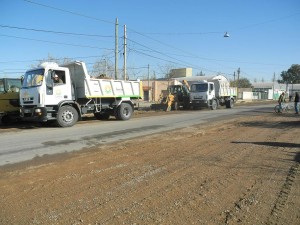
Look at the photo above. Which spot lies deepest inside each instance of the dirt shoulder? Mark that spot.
(243, 171)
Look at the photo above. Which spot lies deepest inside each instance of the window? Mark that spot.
(199, 87)
(33, 78)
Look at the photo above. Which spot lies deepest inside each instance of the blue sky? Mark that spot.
(164, 34)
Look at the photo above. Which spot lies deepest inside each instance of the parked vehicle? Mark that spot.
(212, 92)
(9, 99)
(74, 95)
(179, 96)
(174, 98)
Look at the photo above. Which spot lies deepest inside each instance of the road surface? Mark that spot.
(30, 142)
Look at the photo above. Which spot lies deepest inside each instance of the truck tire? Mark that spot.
(124, 111)
(6, 120)
(229, 104)
(67, 116)
(214, 105)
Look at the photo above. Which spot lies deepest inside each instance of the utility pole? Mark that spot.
(238, 81)
(234, 76)
(148, 83)
(125, 53)
(116, 48)
(273, 97)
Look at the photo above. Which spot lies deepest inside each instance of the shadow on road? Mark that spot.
(271, 124)
(274, 144)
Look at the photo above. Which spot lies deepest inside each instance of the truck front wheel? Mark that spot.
(214, 105)
(67, 116)
(124, 111)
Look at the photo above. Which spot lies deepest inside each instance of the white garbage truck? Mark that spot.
(65, 93)
(212, 92)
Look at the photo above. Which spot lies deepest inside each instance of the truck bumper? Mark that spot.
(36, 114)
(200, 103)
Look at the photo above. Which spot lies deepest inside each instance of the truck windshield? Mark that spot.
(2, 86)
(199, 87)
(10, 85)
(33, 78)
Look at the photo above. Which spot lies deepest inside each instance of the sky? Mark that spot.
(264, 35)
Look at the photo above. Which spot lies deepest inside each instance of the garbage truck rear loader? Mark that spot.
(63, 94)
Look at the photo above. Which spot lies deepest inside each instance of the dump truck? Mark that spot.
(63, 94)
(9, 99)
(212, 92)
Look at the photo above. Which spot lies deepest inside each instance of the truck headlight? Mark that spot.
(38, 112)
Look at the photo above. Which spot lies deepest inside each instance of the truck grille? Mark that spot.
(27, 100)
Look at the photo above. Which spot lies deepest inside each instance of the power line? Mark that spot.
(55, 32)
(268, 21)
(53, 42)
(184, 33)
(70, 12)
(160, 42)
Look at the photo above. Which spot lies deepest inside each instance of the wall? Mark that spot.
(183, 72)
(247, 95)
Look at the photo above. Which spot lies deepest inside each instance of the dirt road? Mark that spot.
(243, 171)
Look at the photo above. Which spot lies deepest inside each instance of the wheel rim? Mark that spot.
(214, 105)
(67, 116)
(125, 111)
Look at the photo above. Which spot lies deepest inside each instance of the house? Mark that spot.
(272, 90)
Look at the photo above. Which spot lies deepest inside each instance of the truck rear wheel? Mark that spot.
(67, 116)
(124, 111)
(229, 104)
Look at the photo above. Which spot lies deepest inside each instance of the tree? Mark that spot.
(200, 74)
(103, 68)
(166, 70)
(243, 83)
(294, 72)
(51, 58)
(292, 75)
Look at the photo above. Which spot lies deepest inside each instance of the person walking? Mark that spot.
(281, 99)
(296, 102)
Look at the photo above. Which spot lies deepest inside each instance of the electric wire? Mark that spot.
(55, 32)
(53, 42)
(70, 12)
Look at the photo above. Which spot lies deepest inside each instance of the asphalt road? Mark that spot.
(25, 144)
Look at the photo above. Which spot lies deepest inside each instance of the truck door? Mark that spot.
(58, 87)
(211, 91)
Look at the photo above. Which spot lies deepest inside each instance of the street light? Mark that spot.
(226, 35)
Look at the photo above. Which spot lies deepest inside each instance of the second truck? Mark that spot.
(212, 92)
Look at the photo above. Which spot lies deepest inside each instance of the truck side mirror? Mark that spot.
(49, 82)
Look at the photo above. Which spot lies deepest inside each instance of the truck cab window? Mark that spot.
(59, 77)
